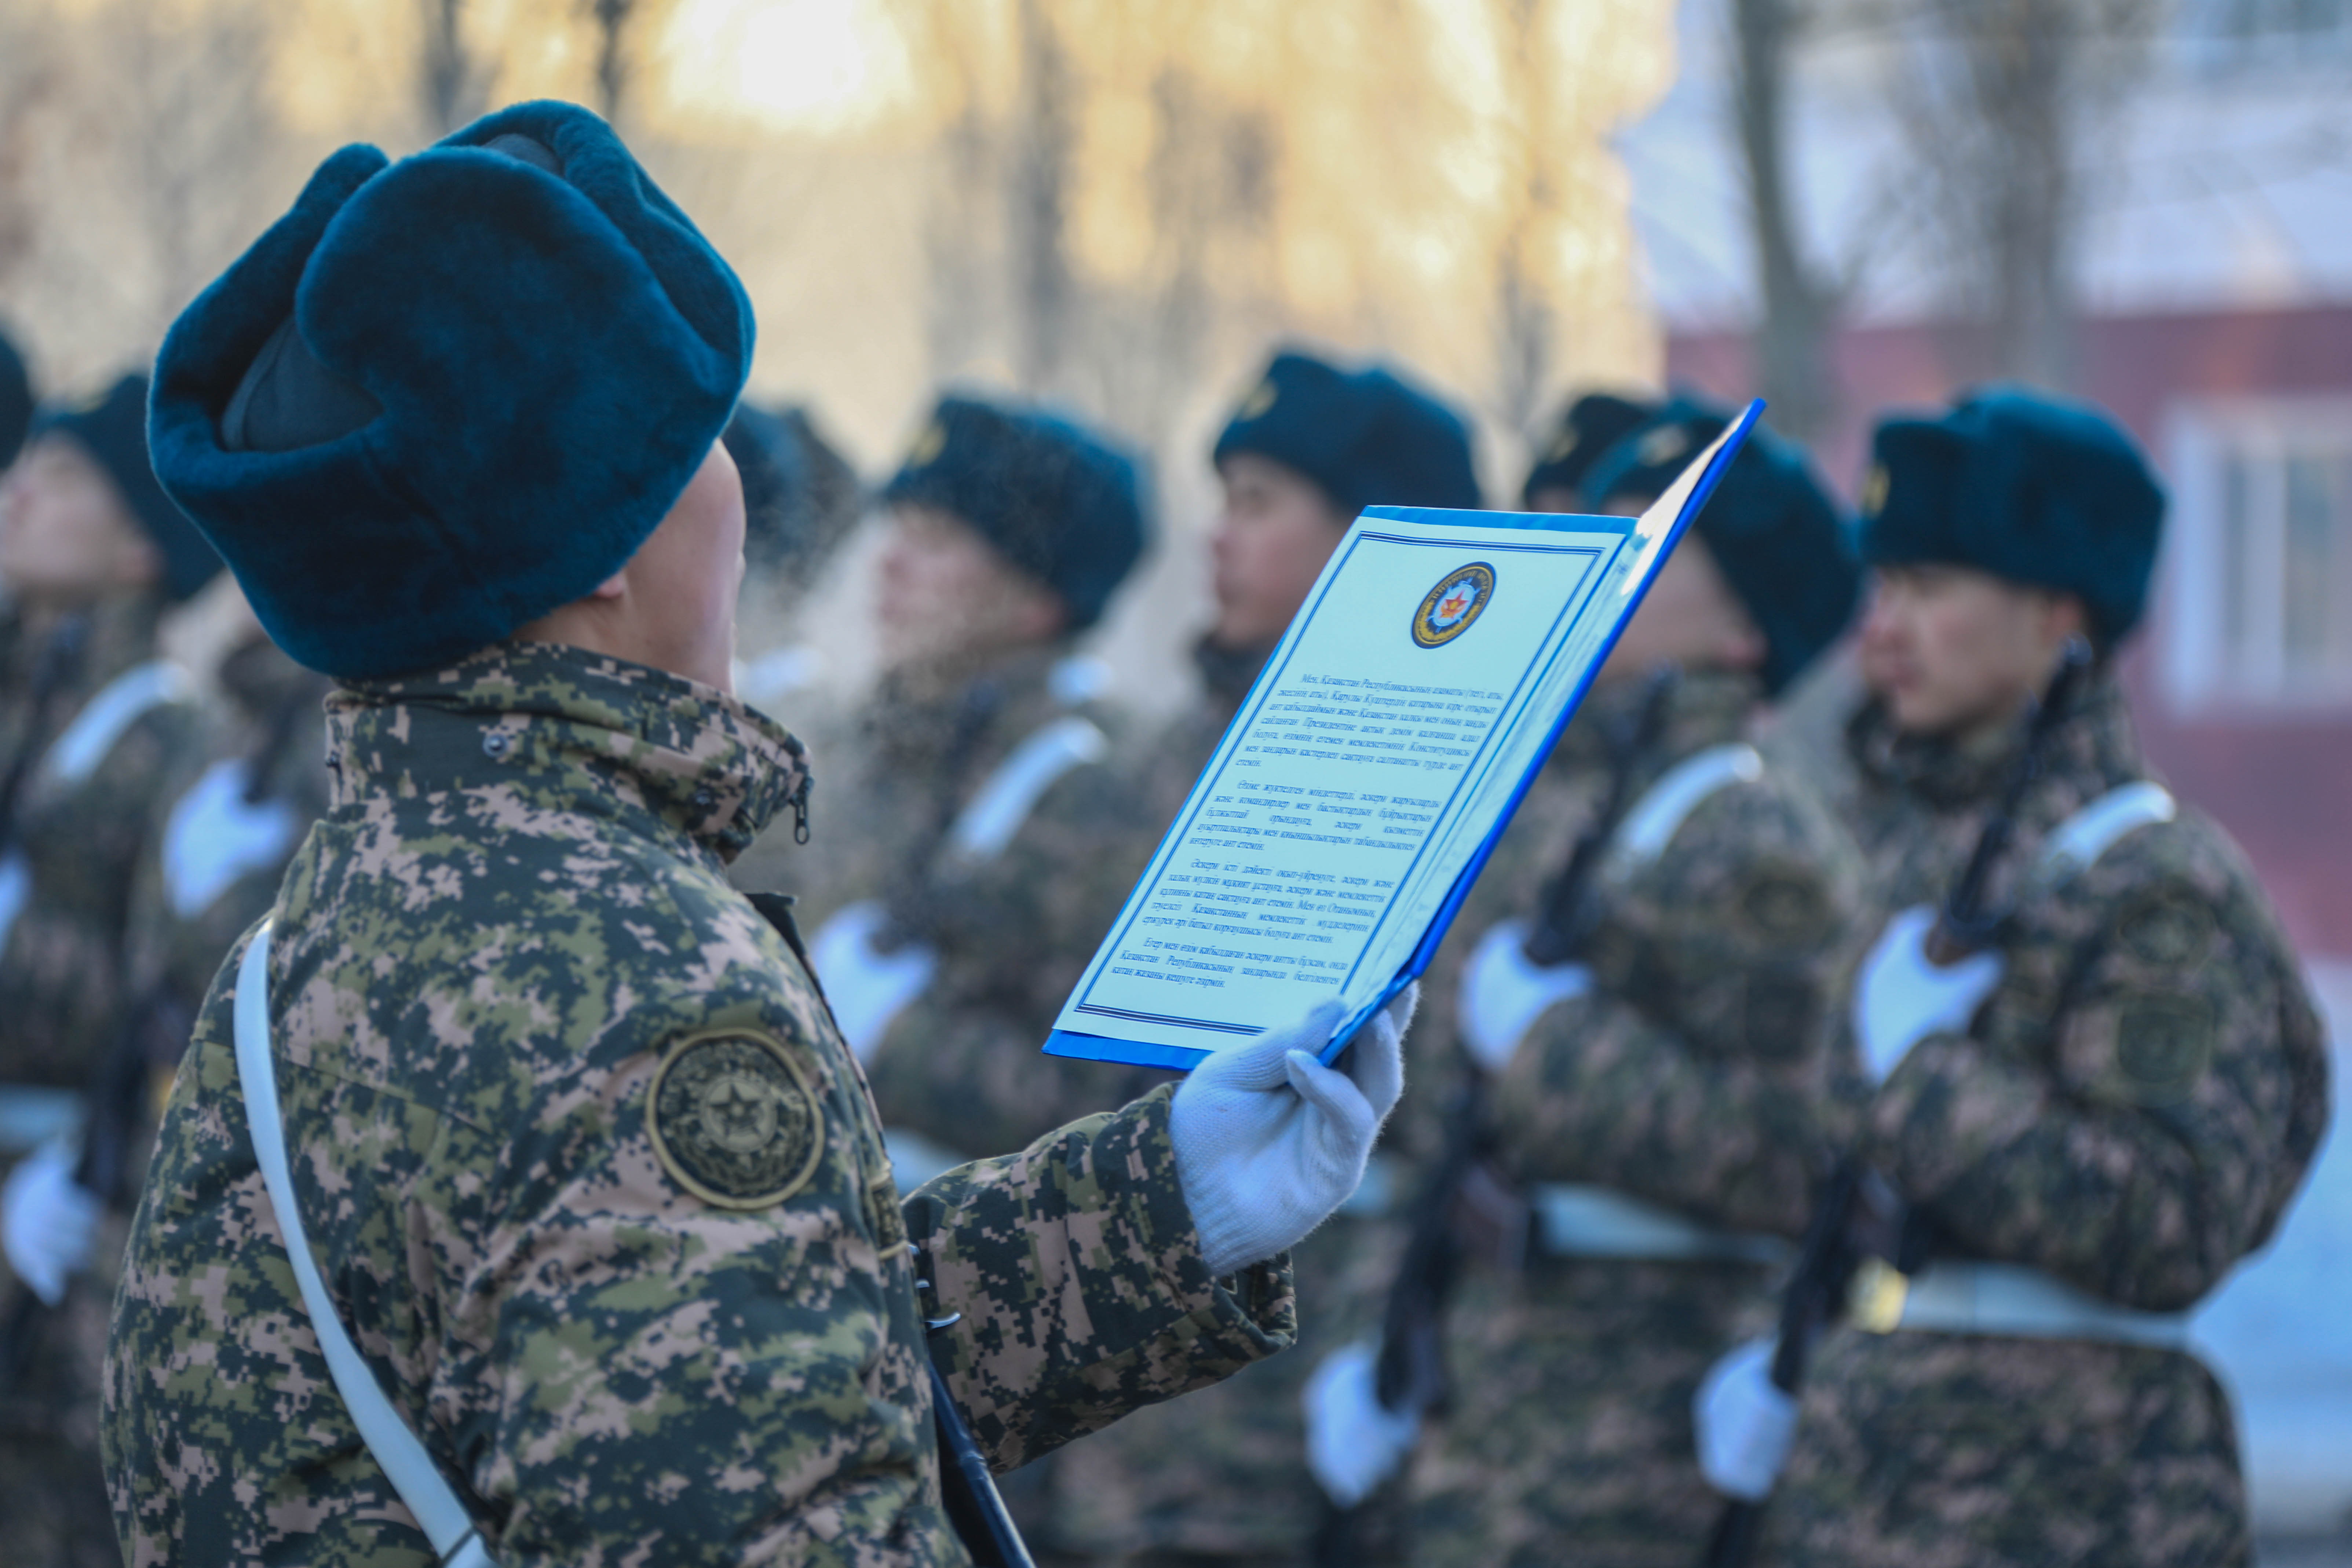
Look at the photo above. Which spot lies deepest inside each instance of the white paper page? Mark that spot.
(1303, 866)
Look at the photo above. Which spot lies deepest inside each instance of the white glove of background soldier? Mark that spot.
(1353, 1442)
(1745, 1425)
(1503, 993)
(866, 987)
(1269, 1141)
(1900, 997)
(48, 1225)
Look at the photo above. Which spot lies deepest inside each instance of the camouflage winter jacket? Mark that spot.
(2129, 1112)
(597, 1188)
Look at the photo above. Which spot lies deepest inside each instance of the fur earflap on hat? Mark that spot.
(2030, 488)
(508, 354)
(1771, 526)
(1055, 500)
(1367, 436)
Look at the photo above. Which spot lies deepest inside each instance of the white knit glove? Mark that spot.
(866, 987)
(1503, 993)
(48, 1225)
(1269, 1141)
(1745, 1424)
(1353, 1442)
(1901, 996)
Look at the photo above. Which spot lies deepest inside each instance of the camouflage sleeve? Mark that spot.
(2139, 1098)
(1079, 1279)
(1696, 1071)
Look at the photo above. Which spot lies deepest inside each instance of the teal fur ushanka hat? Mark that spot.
(1772, 528)
(1367, 436)
(1594, 424)
(2031, 488)
(1057, 500)
(442, 396)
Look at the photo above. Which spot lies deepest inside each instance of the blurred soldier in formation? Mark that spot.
(2090, 1120)
(1222, 1477)
(985, 842)
(516, 1140)
(91, 552)
(229, 822)
(1656, 1035)
(801, 499)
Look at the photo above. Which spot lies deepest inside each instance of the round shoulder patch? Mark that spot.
(733, 1118)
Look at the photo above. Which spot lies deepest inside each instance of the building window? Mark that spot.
(2260, 578)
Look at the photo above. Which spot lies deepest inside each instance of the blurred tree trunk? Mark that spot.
(2006, 103)
(1038, 190)
(450, 85)
(1525, 321)
(1791, 344)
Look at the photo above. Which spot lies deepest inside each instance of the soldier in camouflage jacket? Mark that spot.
(1665, 1097)
(2129, 1105)
(594, 1191)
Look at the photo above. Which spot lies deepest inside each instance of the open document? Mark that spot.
(1357, 793)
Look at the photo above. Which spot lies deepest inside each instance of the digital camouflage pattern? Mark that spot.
(1695, 1075)
(961, 1065)
(76, 842)
(513, 923)
(2131, 1112)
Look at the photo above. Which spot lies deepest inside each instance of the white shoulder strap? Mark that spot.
(987, 825)
(1682, 789)
(397, 1449)
(120, 704)
(2077, 843)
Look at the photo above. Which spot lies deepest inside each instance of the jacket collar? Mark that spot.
(566, 728)
(2093, 749)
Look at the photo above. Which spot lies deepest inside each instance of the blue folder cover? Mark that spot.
(1108, 1048)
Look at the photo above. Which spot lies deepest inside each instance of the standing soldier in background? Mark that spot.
(1657, 1038)
(2093, 1118)
(801, 499)
(91, 552)
(1224, 1478)
(984, 842)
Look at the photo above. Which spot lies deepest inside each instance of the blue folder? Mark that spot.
(1109, 1048)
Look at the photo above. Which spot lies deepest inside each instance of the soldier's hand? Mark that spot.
(866, 987)
(1745, 1425)
(1902, 995)
(1269, 1141)
(1353, 1441)
(1503, 993)
(48, 1225)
